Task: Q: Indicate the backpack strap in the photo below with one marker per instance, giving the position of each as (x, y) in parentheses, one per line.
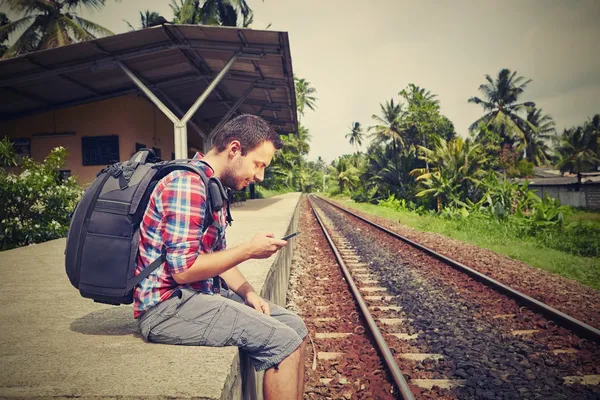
(146, 272)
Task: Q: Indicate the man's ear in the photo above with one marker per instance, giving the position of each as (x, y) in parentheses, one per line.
(234, 148)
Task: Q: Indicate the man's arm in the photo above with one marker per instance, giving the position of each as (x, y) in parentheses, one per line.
(212, 264)
(237, 282)
(208, 265)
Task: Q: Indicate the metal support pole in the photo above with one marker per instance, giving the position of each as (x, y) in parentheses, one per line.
(149, 93)
(180, 125)
(209, 89)
(233, 109)
(181, 148)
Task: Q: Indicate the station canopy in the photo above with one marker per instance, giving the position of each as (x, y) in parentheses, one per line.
(177, 63)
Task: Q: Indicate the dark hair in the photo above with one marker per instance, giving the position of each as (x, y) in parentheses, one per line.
(249, 130)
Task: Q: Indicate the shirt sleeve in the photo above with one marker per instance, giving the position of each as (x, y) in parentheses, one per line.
(183, 206)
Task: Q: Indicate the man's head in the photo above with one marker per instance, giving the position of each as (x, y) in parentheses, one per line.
(249, 144)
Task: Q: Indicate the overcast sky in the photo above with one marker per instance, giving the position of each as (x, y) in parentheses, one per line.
(359, 54)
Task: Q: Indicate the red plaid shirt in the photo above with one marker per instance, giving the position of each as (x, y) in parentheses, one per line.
(173, 221)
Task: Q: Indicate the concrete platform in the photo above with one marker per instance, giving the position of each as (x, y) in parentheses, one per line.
(54, 343)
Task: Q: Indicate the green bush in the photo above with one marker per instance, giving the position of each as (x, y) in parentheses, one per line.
(525, 168)
(36, 203)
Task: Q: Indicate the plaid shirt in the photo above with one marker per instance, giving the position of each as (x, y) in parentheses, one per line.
(173, 221)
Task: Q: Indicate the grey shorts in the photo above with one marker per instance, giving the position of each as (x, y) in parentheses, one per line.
(197, 319)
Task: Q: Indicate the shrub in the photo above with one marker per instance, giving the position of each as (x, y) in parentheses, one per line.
(525, 168)
(37, 204)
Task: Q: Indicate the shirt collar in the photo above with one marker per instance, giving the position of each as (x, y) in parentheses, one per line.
(198, 160)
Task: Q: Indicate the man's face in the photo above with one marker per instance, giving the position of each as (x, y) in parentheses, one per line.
(241, 170)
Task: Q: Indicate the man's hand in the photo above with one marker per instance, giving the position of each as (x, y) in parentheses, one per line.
(263, 245)
(258, 303)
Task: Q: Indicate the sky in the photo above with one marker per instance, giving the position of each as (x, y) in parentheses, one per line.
(360, 54)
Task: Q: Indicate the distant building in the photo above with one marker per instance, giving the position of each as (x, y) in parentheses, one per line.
(570, 189)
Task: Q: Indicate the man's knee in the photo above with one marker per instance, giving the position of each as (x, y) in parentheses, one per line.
(298, 325)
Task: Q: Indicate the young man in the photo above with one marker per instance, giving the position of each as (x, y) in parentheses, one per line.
(180, 302)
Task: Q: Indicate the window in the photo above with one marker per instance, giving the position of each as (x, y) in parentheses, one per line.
(100, 150)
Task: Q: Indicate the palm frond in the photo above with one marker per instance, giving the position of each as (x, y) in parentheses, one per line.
(92, 27)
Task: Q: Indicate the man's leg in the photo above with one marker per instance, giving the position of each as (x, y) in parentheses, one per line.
(295, 322)
(198, 319)
(301, 368)
(278, 381)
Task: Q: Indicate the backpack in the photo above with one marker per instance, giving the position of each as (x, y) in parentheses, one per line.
(102, 243)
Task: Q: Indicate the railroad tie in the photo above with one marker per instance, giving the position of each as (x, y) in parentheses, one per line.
(371, 289)
(404, 336)
(564, 351)
(391, 321)
(378, 298)
(441, 383)
(386, 308)
(525, 332)
(582, 380)
(325, 381)
(421, 356)
(331, 335)
(329, 355)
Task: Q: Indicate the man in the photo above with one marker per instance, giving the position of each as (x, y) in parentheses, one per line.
(179, 303)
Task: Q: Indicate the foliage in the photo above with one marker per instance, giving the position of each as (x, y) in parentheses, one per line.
(3, 36)
(148, 19)
(8, 154)
(536, 132)
(212, 12)
(37, 204)
(305, 95)
(579, 147)
(356, 135)
(501, 96)
(49, 24)
(455, 173)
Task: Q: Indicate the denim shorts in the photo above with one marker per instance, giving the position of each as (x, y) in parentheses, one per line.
(197, 319)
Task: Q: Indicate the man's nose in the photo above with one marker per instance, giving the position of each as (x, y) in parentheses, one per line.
(259, 176)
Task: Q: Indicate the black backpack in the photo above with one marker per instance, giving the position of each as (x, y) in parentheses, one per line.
(103, 238)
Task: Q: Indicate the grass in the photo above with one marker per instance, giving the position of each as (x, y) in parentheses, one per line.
(584, 216)
(500, 238)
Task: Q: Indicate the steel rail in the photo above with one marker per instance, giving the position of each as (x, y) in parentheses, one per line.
(579, 327)
(384, 350)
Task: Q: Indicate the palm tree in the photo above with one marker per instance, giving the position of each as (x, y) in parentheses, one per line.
(419, 94)
(538, 129)
(389, 124)
(50, 23)
(501, 104)
(148, 19)
(578, 150)
(345, 173)
(389, 128)
(305, 95)
(212, 12)
(4, 36)
(355, 136)
(456, 170)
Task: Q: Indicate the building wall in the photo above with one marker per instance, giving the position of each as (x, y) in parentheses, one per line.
(593, 196)
(133, 118)
(587, 197)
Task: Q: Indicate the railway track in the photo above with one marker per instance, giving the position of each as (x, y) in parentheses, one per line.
(438, 332)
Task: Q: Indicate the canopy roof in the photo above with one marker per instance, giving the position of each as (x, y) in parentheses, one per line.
(177, 63)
